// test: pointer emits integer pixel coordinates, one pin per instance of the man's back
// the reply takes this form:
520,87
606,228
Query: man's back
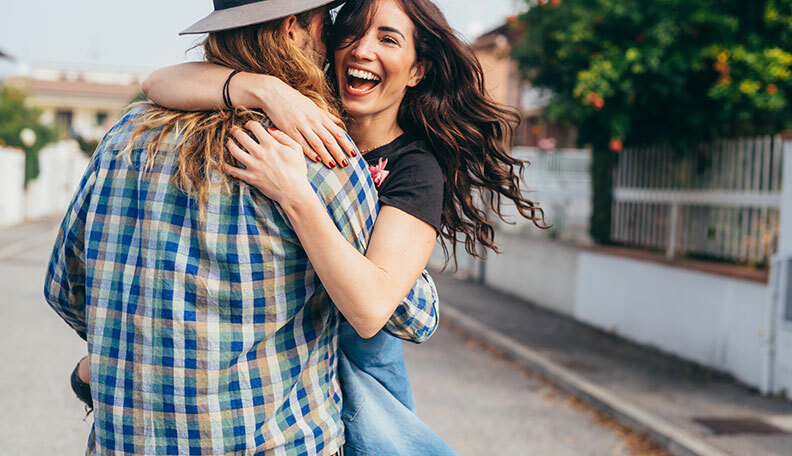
208,333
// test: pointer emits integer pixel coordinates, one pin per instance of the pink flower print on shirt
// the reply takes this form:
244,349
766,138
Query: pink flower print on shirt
379,173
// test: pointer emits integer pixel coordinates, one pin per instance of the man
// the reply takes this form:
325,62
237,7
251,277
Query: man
208,331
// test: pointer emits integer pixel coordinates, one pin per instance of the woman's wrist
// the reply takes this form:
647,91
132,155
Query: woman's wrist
251,90
261,88
300,200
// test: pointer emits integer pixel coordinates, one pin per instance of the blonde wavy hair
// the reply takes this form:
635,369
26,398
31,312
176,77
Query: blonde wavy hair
201,136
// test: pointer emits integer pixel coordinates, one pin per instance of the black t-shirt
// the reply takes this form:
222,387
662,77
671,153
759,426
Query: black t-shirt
414,182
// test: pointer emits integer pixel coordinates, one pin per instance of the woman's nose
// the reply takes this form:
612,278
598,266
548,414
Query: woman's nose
363,49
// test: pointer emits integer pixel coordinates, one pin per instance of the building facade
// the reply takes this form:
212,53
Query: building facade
82,103
504,84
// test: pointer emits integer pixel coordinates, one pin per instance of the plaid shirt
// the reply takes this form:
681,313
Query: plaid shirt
207,335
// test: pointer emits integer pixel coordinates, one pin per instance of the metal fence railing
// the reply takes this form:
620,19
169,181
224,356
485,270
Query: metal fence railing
560,182
721,202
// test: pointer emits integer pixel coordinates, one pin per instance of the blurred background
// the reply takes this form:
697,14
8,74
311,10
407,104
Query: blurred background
654,316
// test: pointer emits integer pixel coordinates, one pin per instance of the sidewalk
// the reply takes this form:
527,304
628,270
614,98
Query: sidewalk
646,390
18,238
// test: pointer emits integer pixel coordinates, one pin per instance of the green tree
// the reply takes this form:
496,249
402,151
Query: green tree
662,71
15,116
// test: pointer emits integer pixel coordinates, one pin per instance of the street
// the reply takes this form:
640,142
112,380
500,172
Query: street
481,404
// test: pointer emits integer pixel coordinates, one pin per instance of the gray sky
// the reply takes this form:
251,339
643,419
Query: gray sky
141,35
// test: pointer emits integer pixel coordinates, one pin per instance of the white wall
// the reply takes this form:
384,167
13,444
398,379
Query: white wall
61,168
12,181
715,321
536,270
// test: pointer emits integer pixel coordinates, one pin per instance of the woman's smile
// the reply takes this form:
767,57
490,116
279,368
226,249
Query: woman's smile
361,82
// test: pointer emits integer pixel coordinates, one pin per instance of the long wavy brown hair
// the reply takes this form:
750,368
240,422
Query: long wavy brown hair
468,133
263,49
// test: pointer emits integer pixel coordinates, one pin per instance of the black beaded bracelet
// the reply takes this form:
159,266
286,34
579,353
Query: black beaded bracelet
227,89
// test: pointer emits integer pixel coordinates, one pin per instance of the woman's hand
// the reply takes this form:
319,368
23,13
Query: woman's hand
275,164
197,86
313,128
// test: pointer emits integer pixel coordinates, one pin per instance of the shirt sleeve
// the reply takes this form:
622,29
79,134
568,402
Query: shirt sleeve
351,199
417,317
415,185
64,287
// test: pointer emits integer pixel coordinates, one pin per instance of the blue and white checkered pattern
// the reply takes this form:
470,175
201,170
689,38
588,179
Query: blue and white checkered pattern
208,334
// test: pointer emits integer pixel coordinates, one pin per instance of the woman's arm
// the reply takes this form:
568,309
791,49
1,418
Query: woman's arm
198,86
366,289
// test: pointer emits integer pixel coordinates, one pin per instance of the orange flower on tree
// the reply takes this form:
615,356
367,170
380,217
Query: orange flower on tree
596,101
772,89
616,145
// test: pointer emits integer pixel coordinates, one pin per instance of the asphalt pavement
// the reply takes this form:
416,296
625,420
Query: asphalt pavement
479,402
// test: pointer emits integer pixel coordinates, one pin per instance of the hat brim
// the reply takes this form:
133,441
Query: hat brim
254,13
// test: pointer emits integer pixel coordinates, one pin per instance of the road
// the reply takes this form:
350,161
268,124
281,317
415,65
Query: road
481,404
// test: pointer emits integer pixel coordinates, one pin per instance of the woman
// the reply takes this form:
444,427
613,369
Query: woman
417,109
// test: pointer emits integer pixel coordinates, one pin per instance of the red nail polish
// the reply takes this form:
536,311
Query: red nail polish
332,165
344,163
353,153
317,159
272,129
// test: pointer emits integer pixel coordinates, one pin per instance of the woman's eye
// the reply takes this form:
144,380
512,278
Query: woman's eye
390,40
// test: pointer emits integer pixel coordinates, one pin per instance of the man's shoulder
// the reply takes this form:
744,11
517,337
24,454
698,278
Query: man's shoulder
352,179
127,123
130,129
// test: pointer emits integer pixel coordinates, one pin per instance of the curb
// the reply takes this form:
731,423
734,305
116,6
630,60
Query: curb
25,244
672,438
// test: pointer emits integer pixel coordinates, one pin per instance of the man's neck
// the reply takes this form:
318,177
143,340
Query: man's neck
371,132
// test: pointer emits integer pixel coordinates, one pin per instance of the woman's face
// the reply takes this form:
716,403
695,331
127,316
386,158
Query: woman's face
375,72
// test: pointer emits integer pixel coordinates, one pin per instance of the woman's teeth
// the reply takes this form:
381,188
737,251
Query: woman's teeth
360,74
361,82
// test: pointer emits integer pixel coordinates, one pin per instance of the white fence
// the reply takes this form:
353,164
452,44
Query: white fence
61,167
560,182
12,182
731,203
721,202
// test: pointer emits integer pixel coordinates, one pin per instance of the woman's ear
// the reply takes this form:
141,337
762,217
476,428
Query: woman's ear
417,74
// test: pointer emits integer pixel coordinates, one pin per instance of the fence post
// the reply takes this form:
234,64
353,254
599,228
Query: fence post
673,231
777,357
785,228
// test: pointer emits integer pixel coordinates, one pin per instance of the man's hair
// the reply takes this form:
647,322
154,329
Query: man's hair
201,136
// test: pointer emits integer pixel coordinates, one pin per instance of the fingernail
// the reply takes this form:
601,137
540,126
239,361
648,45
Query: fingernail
317,159
344,163
331,165
272,129
353,153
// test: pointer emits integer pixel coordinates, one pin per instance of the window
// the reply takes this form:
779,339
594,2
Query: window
101,117
63,119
